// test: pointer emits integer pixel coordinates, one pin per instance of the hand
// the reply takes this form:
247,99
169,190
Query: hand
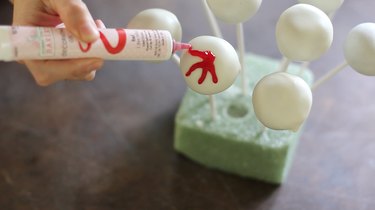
75,16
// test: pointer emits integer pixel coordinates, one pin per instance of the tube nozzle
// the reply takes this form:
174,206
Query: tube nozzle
180,46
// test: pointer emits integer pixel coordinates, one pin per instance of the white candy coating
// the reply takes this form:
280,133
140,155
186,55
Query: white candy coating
226,64
234,11
327,6
303,33
359,48
158,19
282,101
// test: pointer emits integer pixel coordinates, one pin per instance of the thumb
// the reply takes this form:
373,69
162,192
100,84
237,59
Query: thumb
77,19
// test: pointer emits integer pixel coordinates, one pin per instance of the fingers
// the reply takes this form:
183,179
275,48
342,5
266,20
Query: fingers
51,71
47,72
73,13
34,13
99,23
77,19
90,76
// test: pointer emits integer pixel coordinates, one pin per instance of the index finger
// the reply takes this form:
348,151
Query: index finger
77,19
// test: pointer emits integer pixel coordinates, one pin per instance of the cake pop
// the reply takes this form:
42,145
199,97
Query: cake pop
327,6
234,11
303,33
210,66
158,19
359,51
330,8
282,101
359,48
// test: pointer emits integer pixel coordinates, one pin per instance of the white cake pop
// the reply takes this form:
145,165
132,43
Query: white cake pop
359,48
234,11
210,66
327,6
282,101
303,33
158,19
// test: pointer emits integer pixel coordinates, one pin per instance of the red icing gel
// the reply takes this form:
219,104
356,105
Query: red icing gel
207,65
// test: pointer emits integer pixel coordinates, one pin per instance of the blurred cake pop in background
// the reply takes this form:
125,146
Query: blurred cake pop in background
158,19
303,33
327,6
234,11
359,48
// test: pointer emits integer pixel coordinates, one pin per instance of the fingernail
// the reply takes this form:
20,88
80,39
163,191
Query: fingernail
94,66
90,76
61,25
100,24
88,32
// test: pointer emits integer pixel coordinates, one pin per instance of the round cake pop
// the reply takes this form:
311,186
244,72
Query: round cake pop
359,48
282,101
303,33
158,19
210,66
234,11
327,6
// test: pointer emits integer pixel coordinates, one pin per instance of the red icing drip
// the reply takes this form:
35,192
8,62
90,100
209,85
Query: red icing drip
207,65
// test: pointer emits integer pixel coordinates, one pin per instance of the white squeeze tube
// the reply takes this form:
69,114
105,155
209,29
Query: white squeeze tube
45,43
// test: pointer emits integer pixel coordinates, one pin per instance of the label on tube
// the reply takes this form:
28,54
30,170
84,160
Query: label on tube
42,43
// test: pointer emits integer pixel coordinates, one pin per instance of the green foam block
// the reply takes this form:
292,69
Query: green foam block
235,141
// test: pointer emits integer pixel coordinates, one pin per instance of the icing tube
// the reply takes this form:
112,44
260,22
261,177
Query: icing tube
43,43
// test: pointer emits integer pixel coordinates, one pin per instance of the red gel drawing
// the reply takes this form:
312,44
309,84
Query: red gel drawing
112,50
207,65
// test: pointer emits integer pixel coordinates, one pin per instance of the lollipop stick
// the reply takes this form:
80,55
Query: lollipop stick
329,75
262,130
304,66
241,50
212,20
176,59
284,64
213,107
331,15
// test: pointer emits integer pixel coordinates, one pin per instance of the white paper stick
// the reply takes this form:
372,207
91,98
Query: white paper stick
213,107
241,52
212,20
306,64
331,15
284,64
329,75
303,67
176,59
262,130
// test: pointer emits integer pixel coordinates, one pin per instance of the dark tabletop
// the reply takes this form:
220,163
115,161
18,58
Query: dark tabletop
108,144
